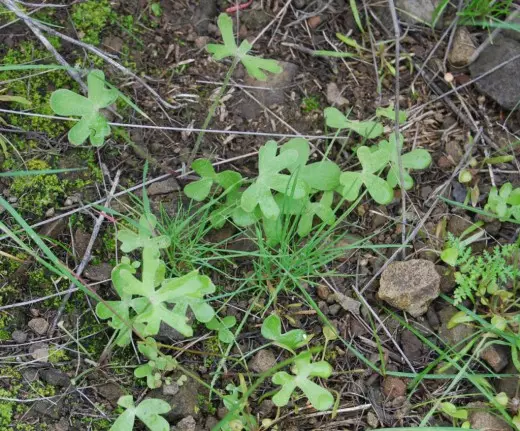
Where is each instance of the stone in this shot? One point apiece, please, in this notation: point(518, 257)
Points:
point(448, 282)
point(263, 361)
point(462, 48)
point(55, 377)
point(513, 33)
point(509, 385)
point(334, 96)
point(81, 240)
point(322, 291)
point(456, 337)
point(39, 352)
point(19, 336)
point(46, 408)
point(412, 347)
point(266, 408)
point(410, 286)
point(347, 303)
point(416, 11)
point(480, 418)
point(172, 389)
point(186, 424)
point(110, 392)
point(30, 375)
point(61, 425)
point(211, 422)
point(458, 224)
point(334, 309)
point(497, 356)
point(38, 325)
point(255, 19)
point(272, 91)
point(204, 14)
point(113, 43)
point(394, 387)
point(169, 185)
point(100, 272)
point(454, 151)
point(184, 403)
point(501, 85)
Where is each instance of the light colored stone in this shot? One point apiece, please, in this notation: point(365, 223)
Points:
point(334, 96)
point(38, 325)
point(457, 336)
point(263, 361)
point(163, 187)
point(481, 418)
point(347, 303)
point(462, 48)
point(417, 11)
point(410, 286)
point(497, 356)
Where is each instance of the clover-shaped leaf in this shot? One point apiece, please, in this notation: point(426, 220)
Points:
point(232, 208)
point(92, 122)
point(291, 340)
point(303, 369)
point(368, 129)
point(415, 159)
point(199, 190)
point(322, 209)
point(148, 411)
point(222, 326)
point(371, 163)
point(505, 203)
point(156, 366)
point(144, 237)
point(119, 311)
point(389, 113)
point(255, 66)
point(269, 178)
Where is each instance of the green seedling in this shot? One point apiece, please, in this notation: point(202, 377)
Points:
point(144, 237)
point(223, 326)
point(148, 411)
point(368, 129)
point(199, 190)
point(372, 162)
point(240, 420)
point(155, 293)
point(157, 365)
point(92, 123)
point(303, 369)
point(269, 178)
point(505, 203)
point(457, 414)
point(321, 209)
point(389, 113)
point(291, 340)
point(119, 311)
point(415, 159)
point(255, 66)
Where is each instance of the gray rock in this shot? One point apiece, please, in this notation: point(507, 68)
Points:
point(55, 377)
point(453, 337)
point(99, 272)
point(513, 34)
point(186, 424)
point(497, 356)
point(410, 286)
point(509, 385)
point(172, 389)
point(255, 19)
point(458, 224)
point(61, 425)
point(416, 11)
point(211, 422)
point(110, 392)
point(184, 403)
point(502, 85)
point(263, 361)
point(334, 96)
point(46, 408)
point(462, 48)
point(347, 303)
point(448, 282)
point(40, 352)
point(480, 418)
point(205, 12)
point(412, 347)
point(273, 95)
point(30, 375)
point(81, 240)
point(38, 325)
point(19, 336)
point(169, 185)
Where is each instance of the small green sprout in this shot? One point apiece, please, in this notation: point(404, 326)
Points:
point(389, 113)
point(157, 365)
point(222, 326)
point(368, 129)
point(291, 340)
point(199, 190)
point(254, 65)
point(148, 411)
point(415, 159)
point(131, 241)
point(372, 162)
point(505, 203)
point(303, 369)
point(269, 178)
point(451, 410)
point(92, 123)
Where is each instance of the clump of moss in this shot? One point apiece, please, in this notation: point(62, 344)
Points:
point(36, 88)
point(36, 193)
point(90, 18)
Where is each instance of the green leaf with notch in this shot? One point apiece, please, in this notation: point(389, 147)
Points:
point(149, 411)
point(92, 123)
point(199, 190)
point(291, 340)
point(222, 326)
point(368, 129)
point(144, 237)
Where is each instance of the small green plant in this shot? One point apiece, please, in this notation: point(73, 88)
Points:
point(148, 411)
point(222, 326)
point(457, 414)
point(92, 123)
point(505, 203)
point(240, 420)
point(368, 129)
point(303, 369)
point(255, 66)
point(157, 365)
point(291, 340)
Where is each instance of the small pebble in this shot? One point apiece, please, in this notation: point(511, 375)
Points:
point(19, 336)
